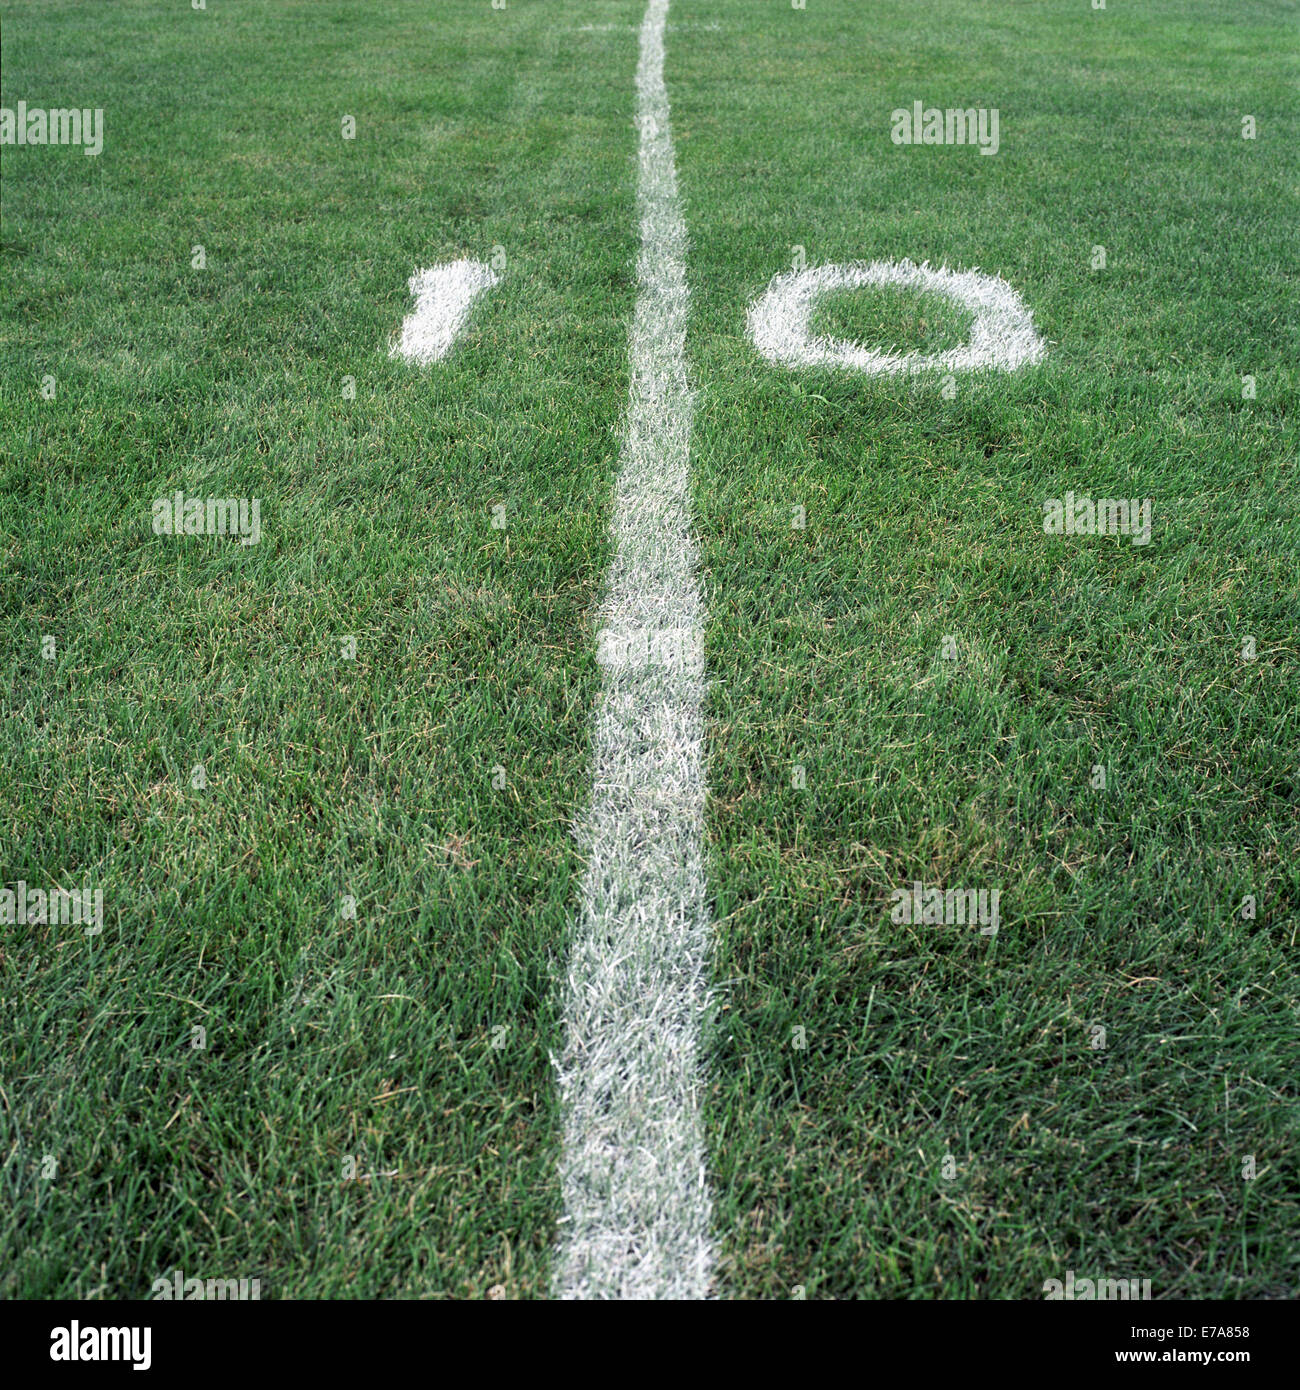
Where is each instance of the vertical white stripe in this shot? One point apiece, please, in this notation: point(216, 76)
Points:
point(636, 1203)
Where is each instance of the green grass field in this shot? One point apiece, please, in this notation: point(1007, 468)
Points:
point(373, 1111)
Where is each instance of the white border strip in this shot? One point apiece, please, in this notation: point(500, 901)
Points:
point(636, 1203)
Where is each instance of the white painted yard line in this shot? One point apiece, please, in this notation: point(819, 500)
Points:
point(636, 1202)
point(443, 297)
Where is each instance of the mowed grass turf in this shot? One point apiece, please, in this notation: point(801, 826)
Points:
point(434, 777)
point(928, 1049)
point(415, 1040)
